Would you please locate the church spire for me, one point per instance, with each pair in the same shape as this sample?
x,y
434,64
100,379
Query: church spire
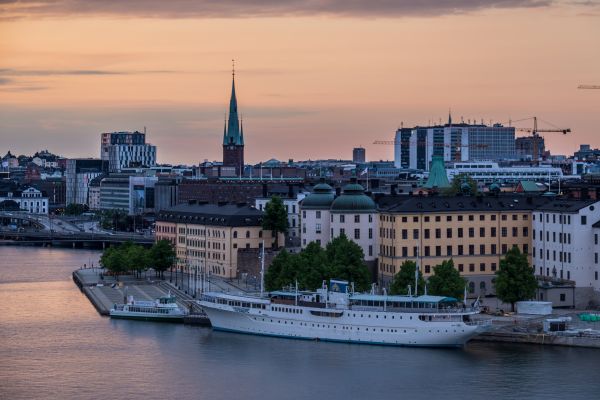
x,y
449,116
233,124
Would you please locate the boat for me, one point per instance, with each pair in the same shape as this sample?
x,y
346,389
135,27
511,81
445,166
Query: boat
x,y
337,314
163,309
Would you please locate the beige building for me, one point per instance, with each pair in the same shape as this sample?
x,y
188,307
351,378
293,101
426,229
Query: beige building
x,y
207,236
473,231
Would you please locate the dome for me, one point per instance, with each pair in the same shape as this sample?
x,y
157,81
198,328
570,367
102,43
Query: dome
x,y
321,197
353,199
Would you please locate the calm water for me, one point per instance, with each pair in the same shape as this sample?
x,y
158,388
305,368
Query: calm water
x,y
53,345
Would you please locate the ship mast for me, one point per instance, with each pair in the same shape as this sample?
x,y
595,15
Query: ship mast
x,y
262,269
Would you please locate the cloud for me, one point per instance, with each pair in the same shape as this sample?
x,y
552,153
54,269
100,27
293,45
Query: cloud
x,y
5,81
70,72
11,9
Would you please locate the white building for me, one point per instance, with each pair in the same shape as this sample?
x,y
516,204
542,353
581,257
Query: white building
x,y
489,172
353,213
121,156
565,244
292,207
29,200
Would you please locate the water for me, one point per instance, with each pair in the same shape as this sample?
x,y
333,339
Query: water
x,y
53,345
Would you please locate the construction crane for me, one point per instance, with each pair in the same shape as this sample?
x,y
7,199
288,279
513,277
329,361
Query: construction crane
x,y
588,87
535,133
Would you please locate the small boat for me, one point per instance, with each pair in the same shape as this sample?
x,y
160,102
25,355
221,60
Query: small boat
x,y
163,309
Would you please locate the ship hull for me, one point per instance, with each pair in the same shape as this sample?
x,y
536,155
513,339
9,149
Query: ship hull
x,y
346,329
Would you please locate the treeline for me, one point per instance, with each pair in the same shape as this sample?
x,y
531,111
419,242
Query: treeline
x,y
133,258
341,259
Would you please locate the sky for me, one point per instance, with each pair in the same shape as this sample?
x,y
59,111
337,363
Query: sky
x,y
313,78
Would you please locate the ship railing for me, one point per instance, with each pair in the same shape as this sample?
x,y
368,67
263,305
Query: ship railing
x,y
479,322
429,310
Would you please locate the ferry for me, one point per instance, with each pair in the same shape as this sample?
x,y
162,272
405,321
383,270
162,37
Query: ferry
x,y
340,315
163,309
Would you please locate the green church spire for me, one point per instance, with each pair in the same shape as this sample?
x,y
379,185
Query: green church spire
x,y
233,134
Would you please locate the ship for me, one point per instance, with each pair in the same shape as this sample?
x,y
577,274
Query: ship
x,y
163,309
336,313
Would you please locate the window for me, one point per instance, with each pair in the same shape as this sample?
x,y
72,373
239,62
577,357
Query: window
x,y
404,234
342,231
426,233
493,231
563,297
426,219
438,251
235,234
428,269
415,233
342,219
448,232
471,218
427,251
357,219
461,268
493,217
503,218
493,267
438,233
525,249
460,217
370,218
481,232
504,249
482,249
515,231
370,233
525,231
405,252
471,268
449,218
471,232
482,217
471,249
514,217
357,234
404,219
449,250
504,231
318,214
493,249
438,218
247,234
482,268
460,250
318,228
415,219
583,220
459,232
370,251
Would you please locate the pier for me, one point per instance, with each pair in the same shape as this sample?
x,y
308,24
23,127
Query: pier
x,y
105,291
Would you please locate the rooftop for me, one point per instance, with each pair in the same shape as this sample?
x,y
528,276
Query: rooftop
x,y
213,214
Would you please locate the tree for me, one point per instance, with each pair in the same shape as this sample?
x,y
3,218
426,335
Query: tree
x,y
162,256
515,280
75,209
112,259
273,275
446,281
275,218
135,257
405,277
346,260
457,185
313,266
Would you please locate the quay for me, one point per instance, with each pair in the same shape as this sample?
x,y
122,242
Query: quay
x,y
104,291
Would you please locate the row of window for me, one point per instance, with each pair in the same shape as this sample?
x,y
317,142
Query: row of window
x,y
428,269
449,218
562,237
493,232
342,217
562,219
563,256
390,251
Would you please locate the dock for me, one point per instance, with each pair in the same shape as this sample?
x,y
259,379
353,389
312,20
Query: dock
x,y
105,291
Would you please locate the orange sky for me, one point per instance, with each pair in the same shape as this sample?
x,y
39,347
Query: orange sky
x,y
308,86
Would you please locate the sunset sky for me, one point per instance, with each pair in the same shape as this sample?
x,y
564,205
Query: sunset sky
x,y
314,78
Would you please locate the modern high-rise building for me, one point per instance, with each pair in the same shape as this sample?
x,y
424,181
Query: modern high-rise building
x,y
415,147
233,136
126,149
359,155
79,173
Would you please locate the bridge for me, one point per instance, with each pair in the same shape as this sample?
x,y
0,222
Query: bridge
x,y
72,239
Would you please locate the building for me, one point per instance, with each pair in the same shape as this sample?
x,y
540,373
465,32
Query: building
x,y
473,231
359,155
352,213
488,172
108,139
415,147
566,246
530,147
165,193
233,136
131,194
292,208
586,153
126,150
29,200
208,236
79,173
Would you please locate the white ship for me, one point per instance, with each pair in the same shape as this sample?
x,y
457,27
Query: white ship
x,y
346,317
164,309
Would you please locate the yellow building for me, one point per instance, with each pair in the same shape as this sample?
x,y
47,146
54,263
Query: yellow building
x,y
207,236
474,231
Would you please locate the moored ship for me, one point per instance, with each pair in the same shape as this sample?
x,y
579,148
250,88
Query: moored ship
x,y
163,309
344,316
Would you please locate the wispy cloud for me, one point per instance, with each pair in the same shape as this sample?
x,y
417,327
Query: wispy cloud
x,y
71,72
10,9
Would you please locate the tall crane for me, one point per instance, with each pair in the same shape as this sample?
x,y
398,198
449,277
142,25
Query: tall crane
x,y
588,87
535,133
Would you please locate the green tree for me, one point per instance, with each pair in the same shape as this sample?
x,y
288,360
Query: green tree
x,y
446,281
515,280
275,218
346,261
457,185
273,275
112,259
135,257
405,277
313,266
75,209
162,256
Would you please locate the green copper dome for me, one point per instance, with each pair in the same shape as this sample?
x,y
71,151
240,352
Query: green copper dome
x,y
321,197
353,199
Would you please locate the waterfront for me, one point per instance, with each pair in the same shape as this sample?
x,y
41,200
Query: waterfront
x,y
53,344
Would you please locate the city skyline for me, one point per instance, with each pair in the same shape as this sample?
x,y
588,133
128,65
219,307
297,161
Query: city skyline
x,y
312,82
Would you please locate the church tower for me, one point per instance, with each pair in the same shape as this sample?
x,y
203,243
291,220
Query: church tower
x,y
233,136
